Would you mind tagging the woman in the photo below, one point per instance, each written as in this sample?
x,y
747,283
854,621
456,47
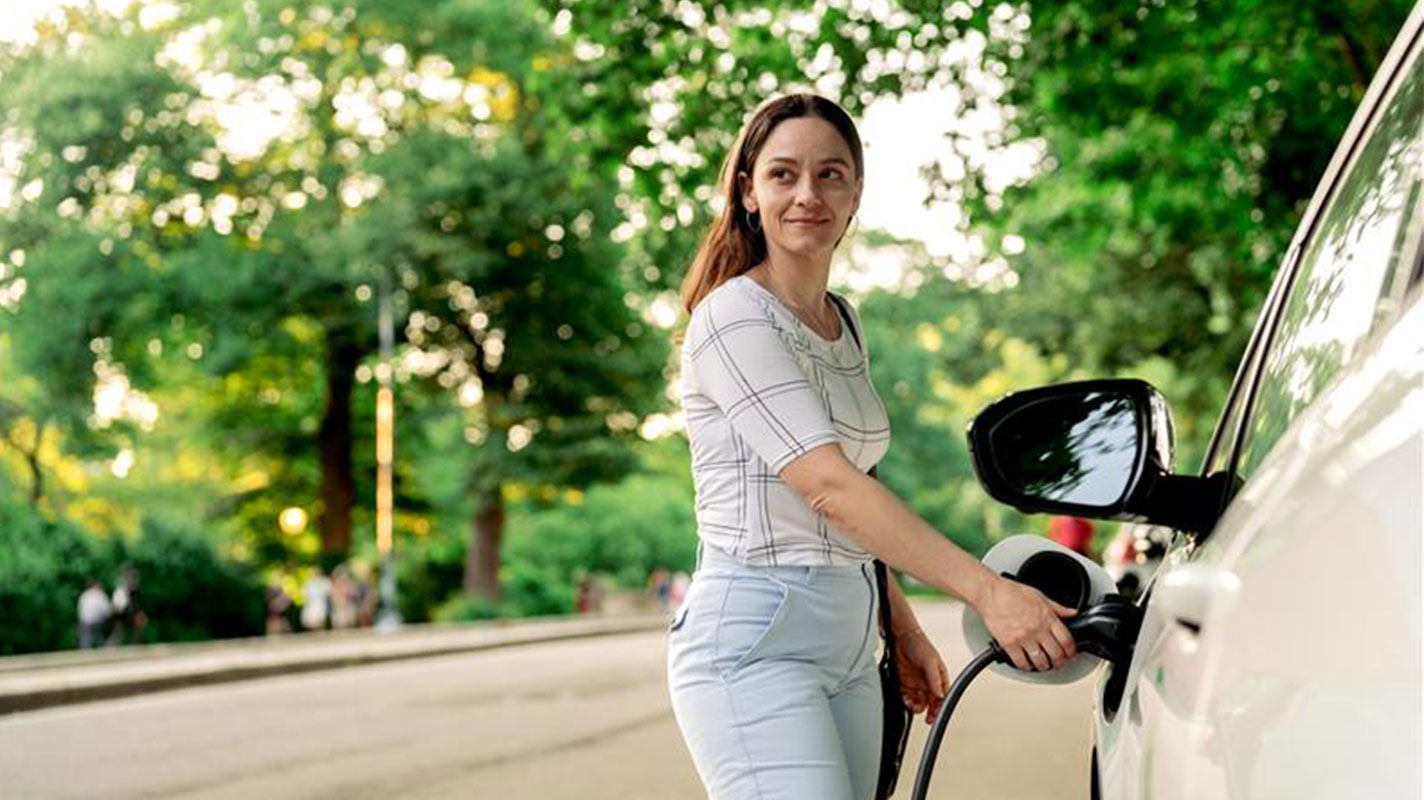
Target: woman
x,y
771,662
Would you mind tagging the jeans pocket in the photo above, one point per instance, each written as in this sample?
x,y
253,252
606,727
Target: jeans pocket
x,y
753,608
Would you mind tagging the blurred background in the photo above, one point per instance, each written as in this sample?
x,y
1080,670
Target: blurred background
x,y
296,296
320,317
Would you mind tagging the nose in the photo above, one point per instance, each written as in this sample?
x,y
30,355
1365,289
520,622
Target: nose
x,y
806,194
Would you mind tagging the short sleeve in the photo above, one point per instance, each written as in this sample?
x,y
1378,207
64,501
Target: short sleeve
x,y
740,362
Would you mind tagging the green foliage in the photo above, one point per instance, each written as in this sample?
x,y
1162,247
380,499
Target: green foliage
x,y
1181,143
1178,143
44,567
188,591
466,608
429,573
526,591
624,531
161,237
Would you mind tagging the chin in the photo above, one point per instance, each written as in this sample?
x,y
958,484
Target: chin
x,y
806,245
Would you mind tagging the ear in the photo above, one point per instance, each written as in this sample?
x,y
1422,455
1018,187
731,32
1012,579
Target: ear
x,y
744,184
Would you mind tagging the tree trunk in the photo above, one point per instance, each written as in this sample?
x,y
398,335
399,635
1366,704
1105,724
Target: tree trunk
x,y
32,459
482,558
334,442
37,489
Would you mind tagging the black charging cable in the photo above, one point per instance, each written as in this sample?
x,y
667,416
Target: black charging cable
x,y
990,654
1106,630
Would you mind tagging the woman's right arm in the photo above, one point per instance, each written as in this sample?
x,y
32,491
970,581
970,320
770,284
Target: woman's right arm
x,y
1024,622
735,357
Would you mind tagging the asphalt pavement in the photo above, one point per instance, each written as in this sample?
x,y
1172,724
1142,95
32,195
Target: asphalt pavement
x,y
574,713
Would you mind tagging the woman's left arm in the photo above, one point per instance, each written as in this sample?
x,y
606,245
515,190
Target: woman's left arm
x,y
923,676
902,616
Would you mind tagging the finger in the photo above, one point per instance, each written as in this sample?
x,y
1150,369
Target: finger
x,y
1062,611
939,680
1054,651
1065,639
1039,658
1019,659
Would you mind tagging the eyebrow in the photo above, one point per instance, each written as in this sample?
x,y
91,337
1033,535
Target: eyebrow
x,y
787,160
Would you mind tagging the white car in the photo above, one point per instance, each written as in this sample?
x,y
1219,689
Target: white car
x,y
1279,654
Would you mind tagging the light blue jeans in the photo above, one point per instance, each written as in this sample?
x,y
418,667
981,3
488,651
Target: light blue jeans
x,y
773,680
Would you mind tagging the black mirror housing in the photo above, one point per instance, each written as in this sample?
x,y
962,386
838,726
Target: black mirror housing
x,y
1100,449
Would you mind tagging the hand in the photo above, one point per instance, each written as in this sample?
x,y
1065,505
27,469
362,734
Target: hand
x,y
1027,625
923,677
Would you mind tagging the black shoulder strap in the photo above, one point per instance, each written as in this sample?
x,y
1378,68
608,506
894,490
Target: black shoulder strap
x,y
845,315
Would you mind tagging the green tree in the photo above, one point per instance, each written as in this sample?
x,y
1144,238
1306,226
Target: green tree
x,y
412,150
1180,143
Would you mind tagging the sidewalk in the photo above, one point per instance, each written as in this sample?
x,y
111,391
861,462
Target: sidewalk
x,y
50,679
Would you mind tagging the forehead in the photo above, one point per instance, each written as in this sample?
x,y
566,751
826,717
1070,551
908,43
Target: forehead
x,y
805,139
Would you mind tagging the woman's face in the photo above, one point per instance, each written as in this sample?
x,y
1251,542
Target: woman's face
x,y
804,186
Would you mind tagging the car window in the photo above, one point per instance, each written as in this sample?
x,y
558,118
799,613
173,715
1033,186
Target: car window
x,y
1223,441
1347,272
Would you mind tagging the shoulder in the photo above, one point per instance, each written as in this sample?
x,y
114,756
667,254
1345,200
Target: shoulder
x,y
733,304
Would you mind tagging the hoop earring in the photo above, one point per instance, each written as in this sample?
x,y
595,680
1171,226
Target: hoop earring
x,y
754,222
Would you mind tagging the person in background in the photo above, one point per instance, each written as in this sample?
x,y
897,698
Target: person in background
x,y
660,587
680,581
583,601
345,605
128,615
1074,533
316,601
368,599
277,604
94,610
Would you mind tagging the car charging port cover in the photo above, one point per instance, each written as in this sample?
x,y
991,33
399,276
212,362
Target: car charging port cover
x,y
1059,576
1064,576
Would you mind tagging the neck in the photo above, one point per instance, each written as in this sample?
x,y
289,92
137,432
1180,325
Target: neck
x,y
800,279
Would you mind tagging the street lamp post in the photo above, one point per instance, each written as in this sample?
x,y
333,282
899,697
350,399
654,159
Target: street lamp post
x,y
385,457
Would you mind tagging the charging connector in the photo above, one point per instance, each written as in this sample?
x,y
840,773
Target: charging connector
x,y
1106,630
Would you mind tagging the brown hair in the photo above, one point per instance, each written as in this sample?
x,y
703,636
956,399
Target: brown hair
x,y
731,245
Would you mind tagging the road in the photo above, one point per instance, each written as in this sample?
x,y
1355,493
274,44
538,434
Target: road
x,y
583,719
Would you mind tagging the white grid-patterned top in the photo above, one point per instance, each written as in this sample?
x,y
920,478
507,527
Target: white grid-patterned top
x,y
760,388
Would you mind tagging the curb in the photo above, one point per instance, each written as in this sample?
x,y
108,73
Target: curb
x,y
29,683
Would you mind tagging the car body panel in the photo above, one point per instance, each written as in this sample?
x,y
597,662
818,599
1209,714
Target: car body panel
x,y
1302,678
1300,666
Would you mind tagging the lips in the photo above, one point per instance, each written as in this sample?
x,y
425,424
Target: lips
x,y
806,221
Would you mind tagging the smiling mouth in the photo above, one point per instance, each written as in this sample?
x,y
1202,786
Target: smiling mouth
x,y
807,221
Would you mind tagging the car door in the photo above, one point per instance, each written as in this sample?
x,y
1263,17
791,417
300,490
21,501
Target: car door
x,y
1240,686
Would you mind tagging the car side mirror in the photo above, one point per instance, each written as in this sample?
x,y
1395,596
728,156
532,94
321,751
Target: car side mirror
x,y
1100,449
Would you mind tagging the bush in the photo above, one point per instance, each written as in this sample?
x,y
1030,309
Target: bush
x,y
430,589
44,567
625,531
428,573
464,608
188,591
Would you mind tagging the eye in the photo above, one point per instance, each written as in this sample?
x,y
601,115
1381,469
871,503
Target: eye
x,y
779,172
833,173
